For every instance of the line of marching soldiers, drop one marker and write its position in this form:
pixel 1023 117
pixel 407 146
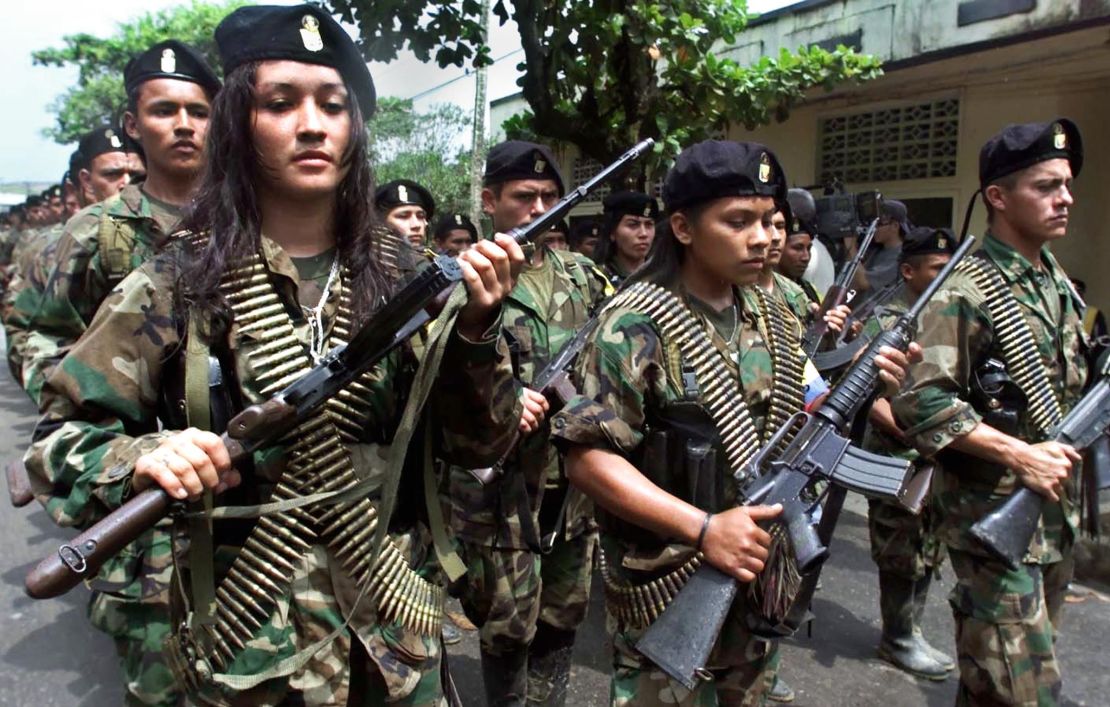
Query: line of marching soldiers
pixel 212 195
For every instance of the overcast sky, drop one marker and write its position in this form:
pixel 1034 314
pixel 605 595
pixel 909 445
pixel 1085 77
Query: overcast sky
pixel 28 90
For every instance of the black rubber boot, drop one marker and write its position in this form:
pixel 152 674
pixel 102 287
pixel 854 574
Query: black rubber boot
pixel 901 645
pixel 505 678
pixel 549 665
pixel 920 595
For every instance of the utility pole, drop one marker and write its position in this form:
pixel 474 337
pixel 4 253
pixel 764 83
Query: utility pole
pixel 478 137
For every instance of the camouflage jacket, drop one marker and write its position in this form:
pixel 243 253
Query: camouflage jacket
pixel 958 335
pixel 115 396
pixel 83 276
pixel 23 296
pixel 542 313
pixel 627 376
pixel 794 297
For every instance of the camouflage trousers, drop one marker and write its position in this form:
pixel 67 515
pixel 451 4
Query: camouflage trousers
pixel 743 672
pixel 388 665
pixel 1006 626
pixel 506 592
pixel 130 603
pixel 902 543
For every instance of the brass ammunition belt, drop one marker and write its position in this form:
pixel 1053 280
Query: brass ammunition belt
pixel 639 605
pixel 787 359
pixel 720 391
pixel 1019 348
pixel 318 461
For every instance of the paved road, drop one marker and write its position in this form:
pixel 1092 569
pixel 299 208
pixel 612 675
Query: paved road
pixel 51 657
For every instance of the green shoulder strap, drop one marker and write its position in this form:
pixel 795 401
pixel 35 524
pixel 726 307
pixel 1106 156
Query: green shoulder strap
pixel 198 411
pixel 116 238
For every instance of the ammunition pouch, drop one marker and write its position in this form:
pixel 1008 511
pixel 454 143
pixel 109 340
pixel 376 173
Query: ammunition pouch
pixel 681 455
pixel 997 397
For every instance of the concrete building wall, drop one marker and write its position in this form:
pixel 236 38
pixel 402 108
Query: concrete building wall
pixel 1066 75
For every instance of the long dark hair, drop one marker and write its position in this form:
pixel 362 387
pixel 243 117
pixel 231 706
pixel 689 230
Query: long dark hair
pixel 226 207
pixel 606 249
pixel 665 258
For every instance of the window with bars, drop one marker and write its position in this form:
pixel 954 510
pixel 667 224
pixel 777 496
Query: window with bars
pixel 916 141
pixel 585 168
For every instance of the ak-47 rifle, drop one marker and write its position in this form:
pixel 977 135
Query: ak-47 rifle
pixel 262 425
pixel 843 352
pixel 554 382
pixel 680 640
pixel 818 336
pixel 1006 531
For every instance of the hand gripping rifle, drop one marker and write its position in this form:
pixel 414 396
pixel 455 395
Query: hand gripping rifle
pixel 840 356
pixel 1005 532
pixel 262 425
pixel 554 382
pixel 818 336
pixel 680 640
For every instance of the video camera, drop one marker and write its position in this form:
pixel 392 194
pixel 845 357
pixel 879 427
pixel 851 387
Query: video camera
pixel 841 215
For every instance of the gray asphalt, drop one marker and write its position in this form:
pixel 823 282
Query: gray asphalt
pixel 51 657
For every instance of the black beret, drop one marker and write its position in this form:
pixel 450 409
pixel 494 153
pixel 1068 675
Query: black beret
pixel 801 214
pixel 170 60
pixel 53 190
pixel 516 159
pixel 718 168
pixel 561 227
pixel 100 141
pixel 583 230
pixel 401 192
pixel 452 222
pixel 924 240
pixel 631 203
pixel 303 33
pixel 1021 146
pixel 33 200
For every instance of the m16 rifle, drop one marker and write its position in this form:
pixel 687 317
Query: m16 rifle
pixel 1005 532
pixel 818 336
pixel 809 448
pixel 262 425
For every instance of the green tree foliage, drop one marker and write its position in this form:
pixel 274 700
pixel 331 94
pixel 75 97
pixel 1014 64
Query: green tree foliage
pixel 603 74
pixel 98 95
pixel 424 147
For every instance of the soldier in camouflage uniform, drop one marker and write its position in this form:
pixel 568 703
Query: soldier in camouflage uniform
pixel 636 393
pixel 903 544
pixel 101 165
pixel 796 250
pixel 289 139
pixel 527 604
pixel 627 230
pixel 1006 620
pixel 170 88
pixel 407 208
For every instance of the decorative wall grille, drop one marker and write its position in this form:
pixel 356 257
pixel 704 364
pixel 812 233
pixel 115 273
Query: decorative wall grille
pixel 910 142
pixel 586 168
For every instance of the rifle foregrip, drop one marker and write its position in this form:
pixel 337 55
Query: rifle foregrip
pixel 84 555
pixel 1005 533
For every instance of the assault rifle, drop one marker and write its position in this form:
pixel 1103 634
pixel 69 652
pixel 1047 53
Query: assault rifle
pixel 843 353
pixel 552 381
pixel 785 472
pixel 817 336
pixel 1005 532
pixel 260 426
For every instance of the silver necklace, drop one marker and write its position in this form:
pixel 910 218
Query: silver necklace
pixel 315 316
